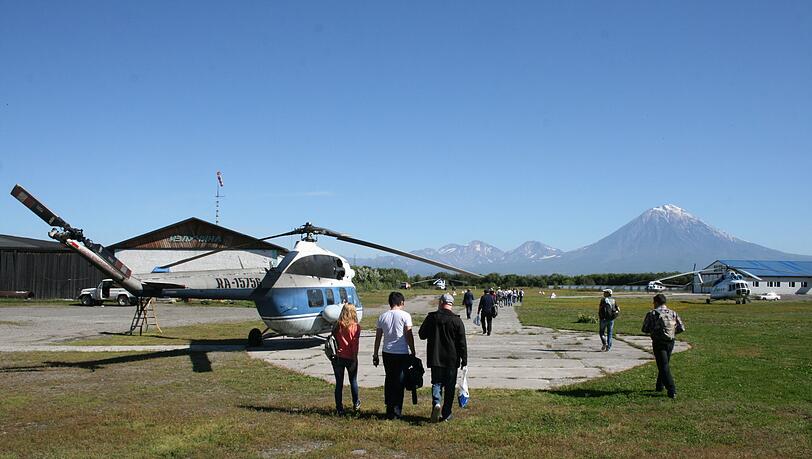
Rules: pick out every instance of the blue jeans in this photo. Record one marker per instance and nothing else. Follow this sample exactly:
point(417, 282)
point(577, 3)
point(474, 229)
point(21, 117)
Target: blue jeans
point(339, 365)
point(610, 324)
point(443, 382)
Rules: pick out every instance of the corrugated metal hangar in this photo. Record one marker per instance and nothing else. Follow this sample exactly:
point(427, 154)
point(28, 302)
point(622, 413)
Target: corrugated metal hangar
point(49, 270)
point(782, 277)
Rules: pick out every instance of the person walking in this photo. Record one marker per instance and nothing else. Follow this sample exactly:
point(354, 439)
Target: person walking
point(663, 324)
point(485, 310)
point(608, 311)
point(446, 351)
point(348, 333)
point(394, 328)
point(468, 302)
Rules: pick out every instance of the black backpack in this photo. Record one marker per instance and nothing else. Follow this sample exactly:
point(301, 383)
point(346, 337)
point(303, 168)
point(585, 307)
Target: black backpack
point(414, 377)
point(610, 309)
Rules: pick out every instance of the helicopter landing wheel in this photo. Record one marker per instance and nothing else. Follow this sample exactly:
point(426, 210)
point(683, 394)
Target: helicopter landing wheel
point(255, 338)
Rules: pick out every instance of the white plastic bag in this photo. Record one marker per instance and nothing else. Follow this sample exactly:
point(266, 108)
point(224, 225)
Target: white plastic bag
point(463, 395)
point(476, 320)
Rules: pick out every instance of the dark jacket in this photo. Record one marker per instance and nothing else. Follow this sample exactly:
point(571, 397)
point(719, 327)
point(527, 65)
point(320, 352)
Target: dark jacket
point(486, 304)
point(468, 299)
point(446, 345)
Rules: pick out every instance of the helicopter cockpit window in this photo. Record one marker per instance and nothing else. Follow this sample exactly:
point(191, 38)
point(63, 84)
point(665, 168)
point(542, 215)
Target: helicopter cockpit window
point(315, 298)
point(331, 297)
point(318, 266)
point(342, 292)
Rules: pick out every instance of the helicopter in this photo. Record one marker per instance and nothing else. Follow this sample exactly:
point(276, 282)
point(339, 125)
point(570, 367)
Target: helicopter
point(439, 283)
point(730, 285)
point(302, 295)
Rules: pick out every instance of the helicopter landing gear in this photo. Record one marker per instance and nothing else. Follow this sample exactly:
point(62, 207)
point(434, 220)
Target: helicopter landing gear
point(255, 337)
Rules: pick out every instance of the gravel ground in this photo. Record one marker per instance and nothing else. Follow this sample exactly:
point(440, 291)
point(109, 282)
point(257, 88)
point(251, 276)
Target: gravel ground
point(39, 324)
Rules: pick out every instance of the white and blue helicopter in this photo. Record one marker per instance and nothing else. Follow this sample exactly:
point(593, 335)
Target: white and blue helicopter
point(726, 283)
point(302, 296)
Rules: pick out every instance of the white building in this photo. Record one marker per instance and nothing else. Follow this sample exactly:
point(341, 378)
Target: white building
point(782, 277)
point(192, 237)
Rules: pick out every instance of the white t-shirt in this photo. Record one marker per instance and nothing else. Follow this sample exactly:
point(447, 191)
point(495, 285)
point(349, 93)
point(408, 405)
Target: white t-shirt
point(393, 323)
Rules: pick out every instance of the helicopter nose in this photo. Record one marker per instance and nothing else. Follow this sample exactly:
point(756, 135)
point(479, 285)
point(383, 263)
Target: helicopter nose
point(331, 312)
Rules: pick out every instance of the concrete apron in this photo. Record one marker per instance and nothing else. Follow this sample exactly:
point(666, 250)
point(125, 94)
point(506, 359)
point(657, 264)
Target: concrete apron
point(513, 357)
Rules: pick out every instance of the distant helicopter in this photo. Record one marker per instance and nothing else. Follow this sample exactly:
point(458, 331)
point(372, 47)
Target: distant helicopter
point(439, 283)
point(729, 286)
point(302, 295)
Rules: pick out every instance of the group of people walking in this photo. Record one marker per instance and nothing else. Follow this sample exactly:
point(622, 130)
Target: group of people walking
point(447, 349)
point(446, 352)
point(509, 297)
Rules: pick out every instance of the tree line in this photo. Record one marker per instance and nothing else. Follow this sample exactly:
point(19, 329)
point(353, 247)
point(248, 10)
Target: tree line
point(368, 278)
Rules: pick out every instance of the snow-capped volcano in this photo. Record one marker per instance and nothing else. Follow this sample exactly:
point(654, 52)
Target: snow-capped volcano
point(663, 238)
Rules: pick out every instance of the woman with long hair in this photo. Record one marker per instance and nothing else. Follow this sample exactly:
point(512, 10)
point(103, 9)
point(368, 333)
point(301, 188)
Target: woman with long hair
point(347, 332)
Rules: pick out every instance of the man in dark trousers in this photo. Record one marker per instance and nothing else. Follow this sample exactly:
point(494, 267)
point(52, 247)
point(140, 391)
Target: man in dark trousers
point(487, 305)
point(663, 325)
point(446, 351)
point(468, 302)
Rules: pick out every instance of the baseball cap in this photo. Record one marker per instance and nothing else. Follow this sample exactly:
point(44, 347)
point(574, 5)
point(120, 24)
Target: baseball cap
point(447, 298)
point(607, 290)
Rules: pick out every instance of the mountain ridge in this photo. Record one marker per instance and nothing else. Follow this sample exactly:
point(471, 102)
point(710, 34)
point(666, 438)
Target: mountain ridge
point(663, 238)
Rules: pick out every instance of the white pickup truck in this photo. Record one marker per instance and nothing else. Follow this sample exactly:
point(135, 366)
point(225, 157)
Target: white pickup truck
point(107, 290)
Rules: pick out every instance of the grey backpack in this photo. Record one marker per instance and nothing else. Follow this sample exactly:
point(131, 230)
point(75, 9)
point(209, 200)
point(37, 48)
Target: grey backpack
point(665, 326)
point(610, 309)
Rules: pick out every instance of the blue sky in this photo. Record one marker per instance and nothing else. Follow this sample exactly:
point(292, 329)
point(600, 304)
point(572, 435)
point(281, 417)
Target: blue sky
point(413, 124)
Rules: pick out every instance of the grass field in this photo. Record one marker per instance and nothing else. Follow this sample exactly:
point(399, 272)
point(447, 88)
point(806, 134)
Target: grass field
point(744, 390)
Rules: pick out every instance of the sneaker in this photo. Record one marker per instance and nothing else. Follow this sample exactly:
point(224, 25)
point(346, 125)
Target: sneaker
point(672, 395)
point(603, 348)
point(340, 412)
point(447, 418)
point(435, 413)
point(357, 405)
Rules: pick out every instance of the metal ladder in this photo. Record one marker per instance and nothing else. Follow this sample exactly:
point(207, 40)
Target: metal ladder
point(144, 316)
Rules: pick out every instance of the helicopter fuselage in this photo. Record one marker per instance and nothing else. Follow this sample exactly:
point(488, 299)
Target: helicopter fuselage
point(303, 295)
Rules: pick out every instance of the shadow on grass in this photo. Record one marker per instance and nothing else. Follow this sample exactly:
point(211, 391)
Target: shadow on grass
point(413, 420)
point(574, 349)
point(199, 342)
point(199, 358)
point(288, 344)
point(591, 393)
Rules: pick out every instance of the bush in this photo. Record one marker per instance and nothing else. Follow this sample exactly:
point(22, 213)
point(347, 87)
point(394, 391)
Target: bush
point(586, 319)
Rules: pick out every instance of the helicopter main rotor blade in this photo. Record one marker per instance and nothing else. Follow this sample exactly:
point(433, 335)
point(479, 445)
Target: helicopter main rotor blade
point(22, 195)
point(212, 252)
point(384, 248)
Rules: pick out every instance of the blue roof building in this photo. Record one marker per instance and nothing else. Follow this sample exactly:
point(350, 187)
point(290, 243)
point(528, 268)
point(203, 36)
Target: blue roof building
point(771, 268)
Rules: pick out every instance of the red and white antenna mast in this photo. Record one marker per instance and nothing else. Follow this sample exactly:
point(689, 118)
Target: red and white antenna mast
point(217, 198)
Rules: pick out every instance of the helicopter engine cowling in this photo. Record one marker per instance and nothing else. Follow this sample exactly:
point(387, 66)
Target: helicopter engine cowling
point(332, 312)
